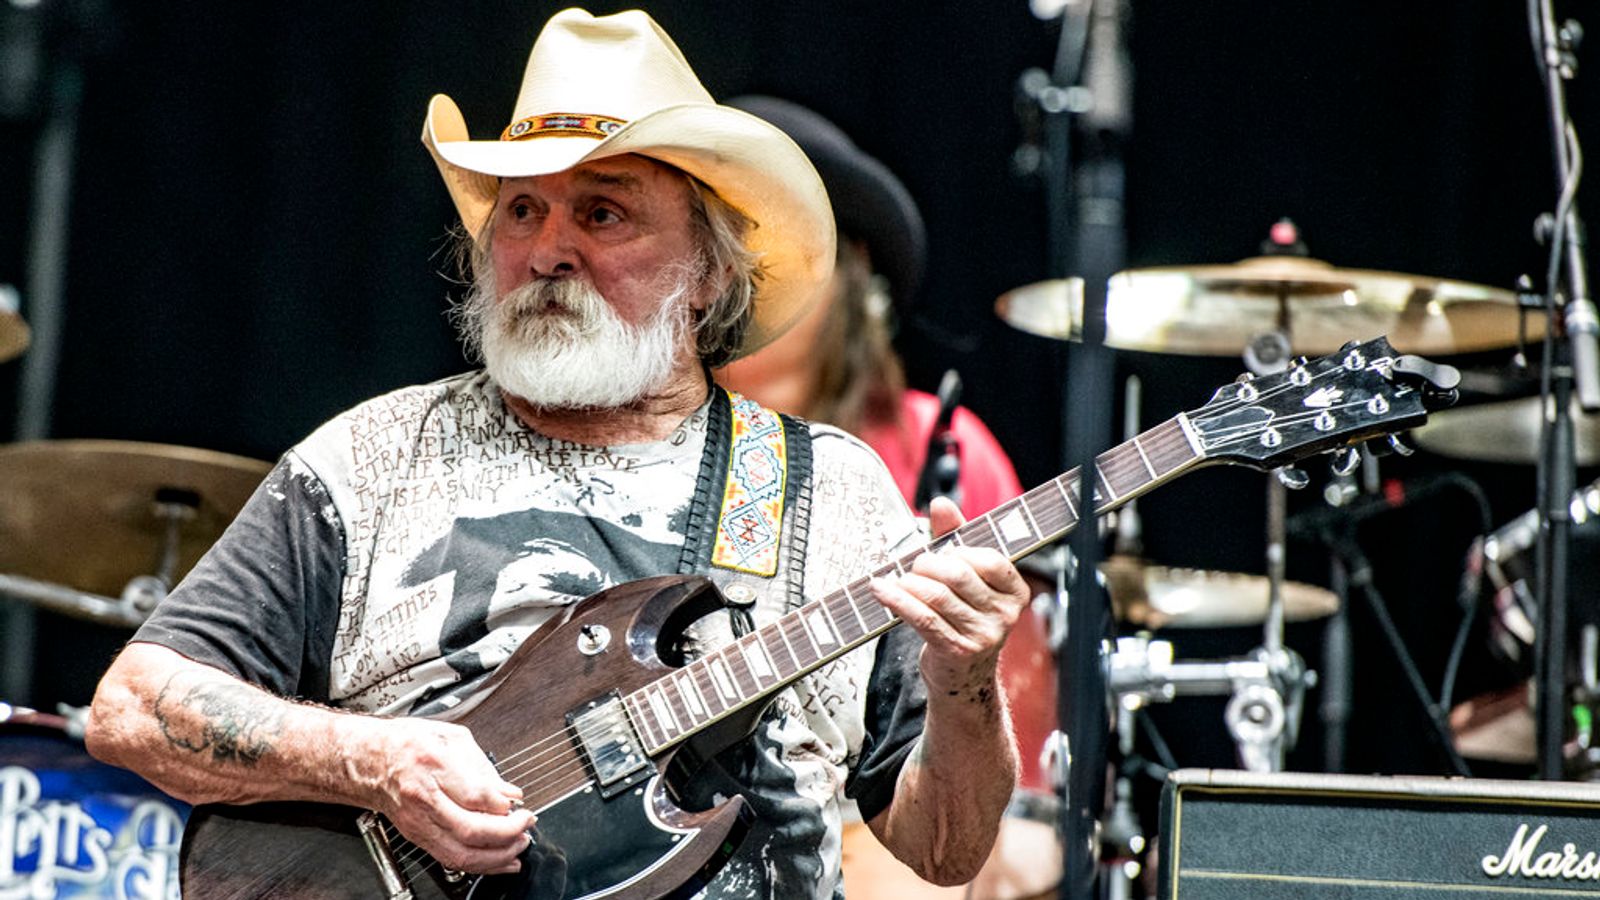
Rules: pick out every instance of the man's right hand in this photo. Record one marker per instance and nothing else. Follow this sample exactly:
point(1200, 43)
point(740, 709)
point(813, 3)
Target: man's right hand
point(433, 781)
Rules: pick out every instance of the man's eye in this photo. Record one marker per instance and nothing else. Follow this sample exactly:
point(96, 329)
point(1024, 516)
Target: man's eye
point(520, 211)
point(604, 215)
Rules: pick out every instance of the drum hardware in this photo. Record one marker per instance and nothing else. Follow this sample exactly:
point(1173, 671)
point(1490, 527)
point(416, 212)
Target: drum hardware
point(101, 530)
point(1500, 726)
point(1266, 692)
point(1507, 564)
point(118, 613)
point(1122, 843)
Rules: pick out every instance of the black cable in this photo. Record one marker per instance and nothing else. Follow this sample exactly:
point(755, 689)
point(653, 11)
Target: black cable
point(1361, 578)
point(1471, 593)
point(1158, 743)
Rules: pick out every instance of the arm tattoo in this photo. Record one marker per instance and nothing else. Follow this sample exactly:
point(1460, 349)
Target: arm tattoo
point(230, 721)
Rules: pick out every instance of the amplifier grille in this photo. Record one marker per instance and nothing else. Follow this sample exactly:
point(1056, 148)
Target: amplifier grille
point(1229, 835)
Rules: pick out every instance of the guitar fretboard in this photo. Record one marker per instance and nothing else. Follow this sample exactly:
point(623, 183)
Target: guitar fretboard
point(768, 659)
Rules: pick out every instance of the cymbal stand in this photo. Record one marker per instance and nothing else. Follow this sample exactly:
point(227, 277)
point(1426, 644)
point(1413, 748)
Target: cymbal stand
point(172, 507)
point(1264, 716)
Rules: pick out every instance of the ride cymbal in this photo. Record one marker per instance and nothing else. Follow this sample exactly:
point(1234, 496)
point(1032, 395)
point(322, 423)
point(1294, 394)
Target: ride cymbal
point(1506, 431)
point(93, 515)
point(1215, 310)
point(1165, 597)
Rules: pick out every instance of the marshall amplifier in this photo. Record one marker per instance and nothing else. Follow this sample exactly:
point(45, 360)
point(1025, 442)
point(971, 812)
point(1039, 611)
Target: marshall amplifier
point(1231, 835)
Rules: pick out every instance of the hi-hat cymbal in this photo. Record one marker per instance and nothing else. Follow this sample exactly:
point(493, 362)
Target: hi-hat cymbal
point(1506, 431)
point(94, 515)
point(1165, 597)
point(1215, 310)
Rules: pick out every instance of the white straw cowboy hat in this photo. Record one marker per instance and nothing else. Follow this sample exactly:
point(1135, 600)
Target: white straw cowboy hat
point(599, 87)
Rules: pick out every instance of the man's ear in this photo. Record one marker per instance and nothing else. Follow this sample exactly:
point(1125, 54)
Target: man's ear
point(714, 286)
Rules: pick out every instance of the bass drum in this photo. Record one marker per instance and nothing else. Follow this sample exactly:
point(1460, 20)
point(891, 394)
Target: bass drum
point(1026, 861)
point(74, 827)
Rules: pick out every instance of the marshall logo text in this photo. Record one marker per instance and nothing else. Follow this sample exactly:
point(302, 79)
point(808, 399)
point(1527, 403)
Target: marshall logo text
point(1523, 858)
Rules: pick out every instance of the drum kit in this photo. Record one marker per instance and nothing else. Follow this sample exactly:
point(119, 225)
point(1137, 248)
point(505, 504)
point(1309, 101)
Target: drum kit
point(1264, 310)
point(97, 531)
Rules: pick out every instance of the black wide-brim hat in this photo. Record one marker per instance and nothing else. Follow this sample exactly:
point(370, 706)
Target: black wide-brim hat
point(869, 203)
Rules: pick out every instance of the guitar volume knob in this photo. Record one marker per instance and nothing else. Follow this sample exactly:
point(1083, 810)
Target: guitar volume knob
point(593, 639)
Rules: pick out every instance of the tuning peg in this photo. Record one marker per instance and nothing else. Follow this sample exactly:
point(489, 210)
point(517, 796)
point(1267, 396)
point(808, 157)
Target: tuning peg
point(1439, 381)
point(1292, 478)
point(1344, 461)
point(1399, 446)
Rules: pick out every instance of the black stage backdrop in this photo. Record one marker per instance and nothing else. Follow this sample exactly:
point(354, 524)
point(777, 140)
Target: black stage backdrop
point(256, 234)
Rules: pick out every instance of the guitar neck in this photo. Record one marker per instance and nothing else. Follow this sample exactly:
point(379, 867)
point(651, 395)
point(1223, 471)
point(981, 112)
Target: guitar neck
point(759, 664)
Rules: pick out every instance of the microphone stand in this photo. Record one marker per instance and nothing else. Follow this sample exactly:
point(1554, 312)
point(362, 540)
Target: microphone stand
point(941, 466)
point(50, 91)
point(1091, 84)
point(1565, 364)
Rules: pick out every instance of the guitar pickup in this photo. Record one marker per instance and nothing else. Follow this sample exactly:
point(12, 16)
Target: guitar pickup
point(610, 745)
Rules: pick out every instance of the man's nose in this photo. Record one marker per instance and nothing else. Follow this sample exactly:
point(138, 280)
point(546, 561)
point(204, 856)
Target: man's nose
point(552, 250)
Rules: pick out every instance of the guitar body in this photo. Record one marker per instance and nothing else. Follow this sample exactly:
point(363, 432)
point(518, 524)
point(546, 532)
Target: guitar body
point(634, 843)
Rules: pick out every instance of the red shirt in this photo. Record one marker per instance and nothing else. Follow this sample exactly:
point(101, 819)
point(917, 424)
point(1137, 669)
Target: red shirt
point(987, 478)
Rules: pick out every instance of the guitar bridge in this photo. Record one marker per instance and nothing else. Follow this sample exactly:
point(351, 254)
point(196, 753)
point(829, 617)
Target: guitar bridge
point(610, 744)
point(394, 883)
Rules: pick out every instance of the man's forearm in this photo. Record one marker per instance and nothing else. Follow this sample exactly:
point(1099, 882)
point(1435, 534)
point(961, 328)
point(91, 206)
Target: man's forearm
point(204, 736)
point(954, 788)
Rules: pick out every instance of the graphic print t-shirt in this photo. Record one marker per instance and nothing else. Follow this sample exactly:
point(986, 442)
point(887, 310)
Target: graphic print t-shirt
point(402, 552)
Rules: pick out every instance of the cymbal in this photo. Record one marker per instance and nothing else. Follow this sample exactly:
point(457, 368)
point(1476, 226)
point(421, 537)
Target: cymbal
point(94, 515)
point(1052, 309)
point(1215, 310)
point(1506, 431)
point(14, 333)
point(1165, 597)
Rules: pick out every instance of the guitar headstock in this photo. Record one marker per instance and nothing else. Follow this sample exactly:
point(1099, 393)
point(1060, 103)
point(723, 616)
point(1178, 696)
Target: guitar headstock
point(1362, 391)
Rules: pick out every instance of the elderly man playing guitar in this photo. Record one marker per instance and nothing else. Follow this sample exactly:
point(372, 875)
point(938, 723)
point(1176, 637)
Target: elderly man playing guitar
point(388, 665)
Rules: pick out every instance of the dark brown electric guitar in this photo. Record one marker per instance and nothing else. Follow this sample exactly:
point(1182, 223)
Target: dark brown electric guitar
point(596, 716)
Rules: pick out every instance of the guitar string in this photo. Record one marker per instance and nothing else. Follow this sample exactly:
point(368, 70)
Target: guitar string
point(570, 764)
point(413, 856)
point(515, 764)
point(524, 767)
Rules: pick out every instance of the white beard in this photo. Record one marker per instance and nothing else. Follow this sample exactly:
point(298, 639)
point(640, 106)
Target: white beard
point(578, 354)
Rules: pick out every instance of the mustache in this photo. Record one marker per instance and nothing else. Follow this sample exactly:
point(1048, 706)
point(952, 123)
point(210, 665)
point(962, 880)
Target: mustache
point(547, 306)
point(544, 295)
